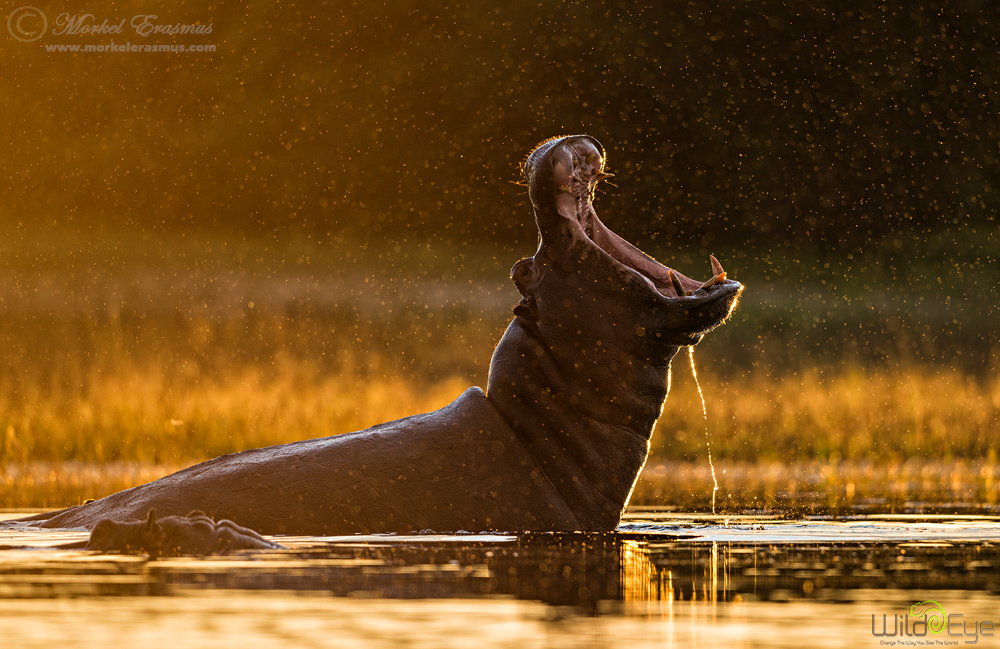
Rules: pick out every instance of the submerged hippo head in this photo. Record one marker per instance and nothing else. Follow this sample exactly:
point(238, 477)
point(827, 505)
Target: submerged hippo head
point(195, 534)
point(581, 371)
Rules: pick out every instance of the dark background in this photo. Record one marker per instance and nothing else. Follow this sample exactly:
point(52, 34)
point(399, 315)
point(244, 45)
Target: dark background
point(842, 125)
point(840, 158)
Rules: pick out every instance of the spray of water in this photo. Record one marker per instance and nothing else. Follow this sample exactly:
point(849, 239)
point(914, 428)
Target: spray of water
point(704, 413)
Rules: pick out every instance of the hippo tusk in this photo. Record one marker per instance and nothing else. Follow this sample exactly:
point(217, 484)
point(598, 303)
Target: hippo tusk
point(676, 284)
point(716, 266)
point(721, 277)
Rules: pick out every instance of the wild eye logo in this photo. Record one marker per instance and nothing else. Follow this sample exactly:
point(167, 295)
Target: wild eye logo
point(932, 612)
point(926, 617)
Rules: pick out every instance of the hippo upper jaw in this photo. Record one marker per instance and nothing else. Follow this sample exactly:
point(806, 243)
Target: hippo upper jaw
point(562, 176)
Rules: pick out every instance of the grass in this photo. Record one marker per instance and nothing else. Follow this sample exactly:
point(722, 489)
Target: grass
point(879, 415)
point(151, 353)
point(152, 416)
point(174, 413)
point(795, 488)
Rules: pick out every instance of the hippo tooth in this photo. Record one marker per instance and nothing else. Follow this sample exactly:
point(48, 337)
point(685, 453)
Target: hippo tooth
point(677, 283)
point(716, 266)
point(715, 280)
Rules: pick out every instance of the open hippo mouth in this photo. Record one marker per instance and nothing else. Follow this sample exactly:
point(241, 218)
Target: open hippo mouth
point(562, 176)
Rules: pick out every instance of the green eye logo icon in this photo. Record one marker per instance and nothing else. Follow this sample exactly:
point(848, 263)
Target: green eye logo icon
point(935, 614)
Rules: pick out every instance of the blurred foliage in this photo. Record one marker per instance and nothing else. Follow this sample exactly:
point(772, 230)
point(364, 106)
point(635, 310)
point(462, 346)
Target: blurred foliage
point(819, 123)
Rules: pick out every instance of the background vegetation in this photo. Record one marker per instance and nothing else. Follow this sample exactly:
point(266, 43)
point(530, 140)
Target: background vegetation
point(310, 230)
point(129, 361)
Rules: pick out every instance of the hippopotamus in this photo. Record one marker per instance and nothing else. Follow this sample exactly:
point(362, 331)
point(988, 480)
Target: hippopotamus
point(555, 443)
point(174, 536)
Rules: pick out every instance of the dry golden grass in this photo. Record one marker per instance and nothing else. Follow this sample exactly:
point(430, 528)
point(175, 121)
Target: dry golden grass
point(62, 484)
point(914, 485)
point(156, 413)
point(148, 415)
point(878, 415)
point(200, 349)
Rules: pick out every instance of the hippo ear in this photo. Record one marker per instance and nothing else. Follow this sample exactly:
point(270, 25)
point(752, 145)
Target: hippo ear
point(152, 525)
point(151, 537)
point(526, 309)
point(523, 274)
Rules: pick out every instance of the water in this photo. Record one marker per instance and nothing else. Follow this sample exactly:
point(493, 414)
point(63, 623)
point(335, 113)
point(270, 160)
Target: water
point(664, 579)
point(704, 413)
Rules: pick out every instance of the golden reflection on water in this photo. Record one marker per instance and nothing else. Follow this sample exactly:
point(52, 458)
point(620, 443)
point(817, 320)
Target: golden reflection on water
point(655, 611)
point(608, 590)
point(639, 577)
point(282, 619)
point(643, 581)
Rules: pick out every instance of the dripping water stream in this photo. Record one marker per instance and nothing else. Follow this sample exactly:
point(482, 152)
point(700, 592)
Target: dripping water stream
point(704, 414)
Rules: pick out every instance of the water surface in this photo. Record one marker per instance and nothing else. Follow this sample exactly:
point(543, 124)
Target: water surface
point(664, 579)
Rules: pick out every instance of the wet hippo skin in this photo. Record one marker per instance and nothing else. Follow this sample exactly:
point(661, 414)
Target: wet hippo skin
point(556, 442)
